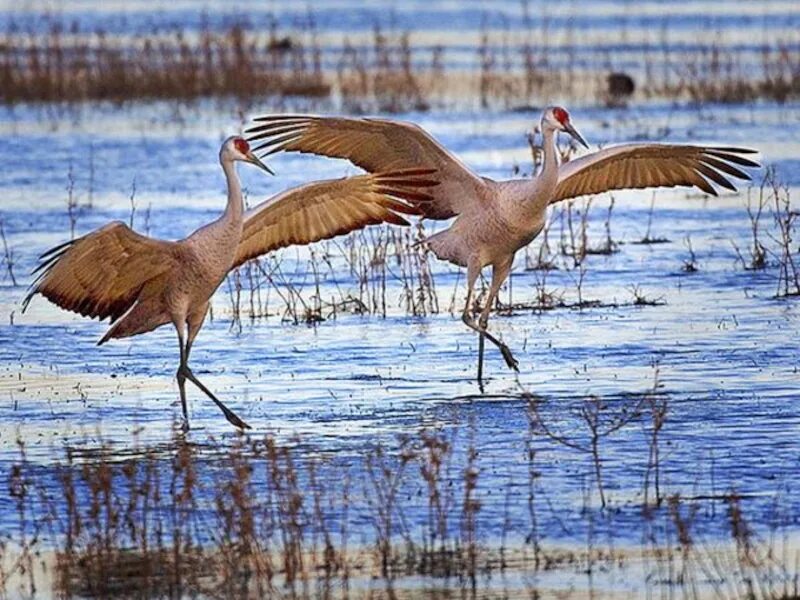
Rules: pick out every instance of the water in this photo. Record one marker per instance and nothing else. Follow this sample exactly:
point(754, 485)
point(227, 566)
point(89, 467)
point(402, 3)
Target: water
point(725, 347)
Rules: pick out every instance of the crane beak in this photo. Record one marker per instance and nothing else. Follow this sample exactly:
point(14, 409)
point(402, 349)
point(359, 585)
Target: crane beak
point(252, 158)
point(574, 133)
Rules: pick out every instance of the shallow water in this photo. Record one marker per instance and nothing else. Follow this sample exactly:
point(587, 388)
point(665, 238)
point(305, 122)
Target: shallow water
point(726, 349)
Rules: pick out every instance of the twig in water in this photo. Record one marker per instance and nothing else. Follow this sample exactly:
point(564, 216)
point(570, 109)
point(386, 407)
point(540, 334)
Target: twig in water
point(8, 254)
point(72, 202)
point(132, 199)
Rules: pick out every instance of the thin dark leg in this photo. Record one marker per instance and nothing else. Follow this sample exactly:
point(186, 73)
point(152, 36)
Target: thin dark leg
point(504, 350)
point(481, 344)
point(473, 271)
point(195, 322)
point(233, 419)
point(508, 356)
point(499, 274)
point(182, 383)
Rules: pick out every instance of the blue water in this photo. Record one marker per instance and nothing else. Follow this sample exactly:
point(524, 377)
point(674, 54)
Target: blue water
point(726, 348)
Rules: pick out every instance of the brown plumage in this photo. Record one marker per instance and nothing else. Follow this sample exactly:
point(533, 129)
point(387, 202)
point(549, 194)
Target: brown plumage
point(494, 219)
point(102, 274)
point(375, 145)
point(141, 283)
point(325, 209)
point(635, 166)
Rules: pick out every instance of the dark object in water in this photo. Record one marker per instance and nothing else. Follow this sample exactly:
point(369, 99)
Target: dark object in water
point(283, 44)
point(620, 87)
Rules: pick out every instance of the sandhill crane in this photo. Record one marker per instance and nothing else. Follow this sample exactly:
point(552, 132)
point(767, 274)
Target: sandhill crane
point(142, 283)
point(494, 219)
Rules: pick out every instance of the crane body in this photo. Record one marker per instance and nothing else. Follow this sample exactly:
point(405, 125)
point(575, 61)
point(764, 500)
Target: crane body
point(495, 219)
point(141, 283)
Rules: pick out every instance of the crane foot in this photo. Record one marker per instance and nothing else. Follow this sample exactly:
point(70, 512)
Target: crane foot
point(512, 362)
point(233, 419)
point(231, 416)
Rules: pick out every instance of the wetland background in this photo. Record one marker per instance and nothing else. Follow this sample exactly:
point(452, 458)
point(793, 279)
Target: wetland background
point(648, 445)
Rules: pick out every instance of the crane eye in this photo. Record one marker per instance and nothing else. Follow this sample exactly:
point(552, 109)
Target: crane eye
point(241, 145)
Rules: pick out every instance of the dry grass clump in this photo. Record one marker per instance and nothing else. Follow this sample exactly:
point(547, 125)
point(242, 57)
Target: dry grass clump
point(383, 77)
point(513, 69)
point(311, 291)
point(717, 75)
point(786, 251)
point(390, 270)
point(69, 65)
point(254, 517)
point(777, 247)
point(242, 521)
point(9, 258)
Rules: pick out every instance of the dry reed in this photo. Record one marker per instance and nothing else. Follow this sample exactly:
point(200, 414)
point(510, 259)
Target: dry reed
point(64, 64)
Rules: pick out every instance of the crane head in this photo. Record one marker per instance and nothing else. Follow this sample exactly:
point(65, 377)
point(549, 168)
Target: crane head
point(237, 148)
point(558, 118)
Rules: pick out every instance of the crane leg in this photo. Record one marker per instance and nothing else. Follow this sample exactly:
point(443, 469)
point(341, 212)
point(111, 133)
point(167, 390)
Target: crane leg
point(182, 380)
point(481, 344)
point(184, 372)
point(498, 276)
point(473, 270)
point(233, 419)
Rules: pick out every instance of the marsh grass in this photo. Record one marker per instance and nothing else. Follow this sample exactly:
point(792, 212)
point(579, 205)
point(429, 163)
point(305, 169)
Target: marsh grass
point(773, 247)
point(717, 75)
point(391, 269)
point(313, 292)
point(9, 258)
point(785, 250)
point(758, 253)
point(649, 238)
point(255, 517)
point(65, 65)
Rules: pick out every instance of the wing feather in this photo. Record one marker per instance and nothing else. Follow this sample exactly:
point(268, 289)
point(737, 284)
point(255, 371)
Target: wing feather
point(101, 274)
point(651, 165)
point(324, 209)
point(377, 146)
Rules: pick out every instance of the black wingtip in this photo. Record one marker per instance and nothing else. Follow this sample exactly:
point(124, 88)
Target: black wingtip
point(736, 150)
point(27, 300)
point(55, 249)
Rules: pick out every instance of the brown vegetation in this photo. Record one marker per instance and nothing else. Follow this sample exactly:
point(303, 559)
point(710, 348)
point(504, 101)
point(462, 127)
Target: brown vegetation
point(67, 65)
point(252, 517)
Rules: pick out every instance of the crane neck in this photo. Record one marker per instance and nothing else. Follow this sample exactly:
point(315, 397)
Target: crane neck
point(235, 207)
point(550, 167)
point(536, 192)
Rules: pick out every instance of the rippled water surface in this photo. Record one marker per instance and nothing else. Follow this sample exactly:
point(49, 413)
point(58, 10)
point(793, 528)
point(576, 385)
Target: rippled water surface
point(725, 347)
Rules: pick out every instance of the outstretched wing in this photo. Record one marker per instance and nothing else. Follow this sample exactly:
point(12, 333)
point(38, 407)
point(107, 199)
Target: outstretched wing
point(324, 209)
point(651, 165)
point(376, 145)
point(101, 274)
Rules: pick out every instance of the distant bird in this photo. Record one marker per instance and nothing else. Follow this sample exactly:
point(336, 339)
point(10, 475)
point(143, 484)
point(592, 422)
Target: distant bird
point(142, 283)
point(494, 219)
point(619, 87)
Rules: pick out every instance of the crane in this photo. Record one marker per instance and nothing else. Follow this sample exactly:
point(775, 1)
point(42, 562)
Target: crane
point(494, 219)
point(141, 283)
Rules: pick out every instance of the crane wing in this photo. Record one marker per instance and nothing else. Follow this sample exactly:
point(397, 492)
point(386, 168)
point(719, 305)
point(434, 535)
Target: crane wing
point(376, 145)
point(651, 165)
point(324, 209)
point(102, 273)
